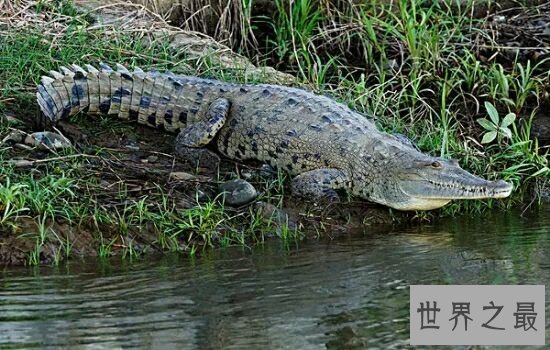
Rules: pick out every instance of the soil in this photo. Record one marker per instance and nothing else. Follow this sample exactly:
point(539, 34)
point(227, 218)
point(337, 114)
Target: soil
point(141, 159)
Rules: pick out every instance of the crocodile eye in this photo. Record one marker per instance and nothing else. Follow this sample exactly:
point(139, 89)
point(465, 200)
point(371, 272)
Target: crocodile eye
point(436, 164)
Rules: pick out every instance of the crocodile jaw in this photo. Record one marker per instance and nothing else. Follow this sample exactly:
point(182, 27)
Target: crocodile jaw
point(430, 194)
point(419, 204)
point(427, 183)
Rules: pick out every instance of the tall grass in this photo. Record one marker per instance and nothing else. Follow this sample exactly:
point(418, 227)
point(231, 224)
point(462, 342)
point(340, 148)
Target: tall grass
point(415, 68)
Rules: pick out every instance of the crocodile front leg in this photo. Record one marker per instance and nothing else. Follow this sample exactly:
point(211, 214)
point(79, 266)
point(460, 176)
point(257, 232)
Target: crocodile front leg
point(320, 184)
point(191, 139)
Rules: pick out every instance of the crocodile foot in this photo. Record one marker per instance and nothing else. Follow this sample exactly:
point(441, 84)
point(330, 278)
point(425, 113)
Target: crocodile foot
point(200, 157)
point(320, 185)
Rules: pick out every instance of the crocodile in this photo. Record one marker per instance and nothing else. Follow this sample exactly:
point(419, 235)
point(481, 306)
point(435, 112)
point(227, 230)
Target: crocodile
point(325, 146)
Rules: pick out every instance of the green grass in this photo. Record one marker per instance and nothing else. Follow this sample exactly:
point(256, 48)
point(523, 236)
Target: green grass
point(64, 191)
point(70, 197)
point(414, 68)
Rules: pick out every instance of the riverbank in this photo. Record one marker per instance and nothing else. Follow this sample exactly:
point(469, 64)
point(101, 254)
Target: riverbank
point(119, 189)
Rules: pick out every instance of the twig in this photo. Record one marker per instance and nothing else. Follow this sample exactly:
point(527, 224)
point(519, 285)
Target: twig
point(25, 162)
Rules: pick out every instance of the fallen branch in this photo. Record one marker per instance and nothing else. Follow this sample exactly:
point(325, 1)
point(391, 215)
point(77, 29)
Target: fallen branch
point(21, 163)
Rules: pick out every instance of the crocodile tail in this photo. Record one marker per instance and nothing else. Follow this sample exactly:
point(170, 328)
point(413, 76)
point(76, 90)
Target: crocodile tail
point(147, 97)
point(73, 89)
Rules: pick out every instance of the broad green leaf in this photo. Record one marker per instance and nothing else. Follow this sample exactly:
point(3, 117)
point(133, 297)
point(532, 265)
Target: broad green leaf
point(503, 80)
point(492, 111)
point(508, 120)
point(518, 167)
point(545, 170)
point(507, 132)
point(486, 124)
point(489, 137)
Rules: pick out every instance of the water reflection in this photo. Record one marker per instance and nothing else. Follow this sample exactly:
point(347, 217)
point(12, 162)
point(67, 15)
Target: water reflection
point(347, 293)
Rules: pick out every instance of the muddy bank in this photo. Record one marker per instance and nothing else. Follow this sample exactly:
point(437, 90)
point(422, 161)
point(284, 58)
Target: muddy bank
point(127, 164)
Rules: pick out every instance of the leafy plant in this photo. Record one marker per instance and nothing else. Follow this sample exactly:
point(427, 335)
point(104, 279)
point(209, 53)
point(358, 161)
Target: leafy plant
point(495, 127)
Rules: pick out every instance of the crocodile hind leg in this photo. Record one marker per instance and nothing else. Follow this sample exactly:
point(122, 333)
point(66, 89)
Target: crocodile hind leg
point(191, 139)
point(320, 184)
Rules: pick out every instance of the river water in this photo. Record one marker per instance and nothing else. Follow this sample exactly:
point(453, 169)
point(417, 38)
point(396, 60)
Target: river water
point(346, 293)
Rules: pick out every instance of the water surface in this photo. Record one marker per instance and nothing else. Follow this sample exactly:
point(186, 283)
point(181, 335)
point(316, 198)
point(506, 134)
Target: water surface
point(347, 293)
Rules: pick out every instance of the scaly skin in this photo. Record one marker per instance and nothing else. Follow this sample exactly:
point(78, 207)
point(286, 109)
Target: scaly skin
point(323, 144)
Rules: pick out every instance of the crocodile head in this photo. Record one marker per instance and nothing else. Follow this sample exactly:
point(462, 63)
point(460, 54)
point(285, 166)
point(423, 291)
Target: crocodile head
point(415, 181)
